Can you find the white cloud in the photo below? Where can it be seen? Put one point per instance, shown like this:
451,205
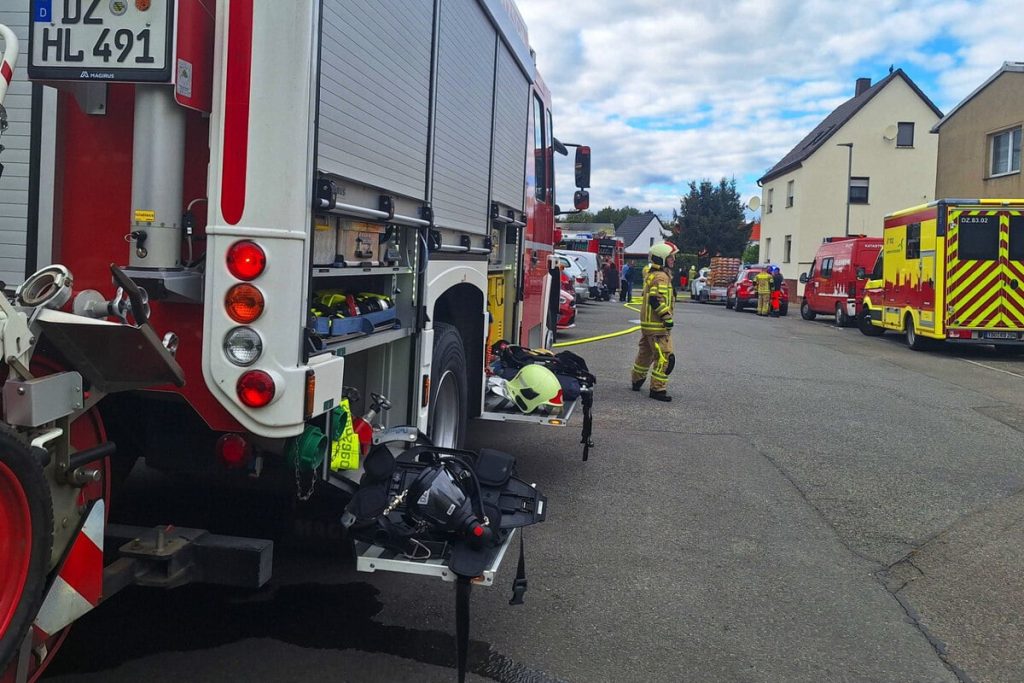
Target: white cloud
732,85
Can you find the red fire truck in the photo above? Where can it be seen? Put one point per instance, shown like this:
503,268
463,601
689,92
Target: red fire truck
604,247
259,208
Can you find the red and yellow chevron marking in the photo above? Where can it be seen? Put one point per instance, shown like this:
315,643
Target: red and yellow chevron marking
977,290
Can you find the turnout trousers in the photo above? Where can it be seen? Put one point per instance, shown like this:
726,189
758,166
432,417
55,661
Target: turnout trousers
762,303
655,350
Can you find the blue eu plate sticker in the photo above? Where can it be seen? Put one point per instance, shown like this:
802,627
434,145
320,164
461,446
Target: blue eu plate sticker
43,10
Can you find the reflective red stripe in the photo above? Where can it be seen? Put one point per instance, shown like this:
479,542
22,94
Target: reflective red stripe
6,72
236,110
83,569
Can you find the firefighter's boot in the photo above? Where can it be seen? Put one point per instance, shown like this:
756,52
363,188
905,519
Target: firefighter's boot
637,383
660,396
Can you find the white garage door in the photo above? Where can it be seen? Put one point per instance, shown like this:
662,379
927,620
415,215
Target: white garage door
15,158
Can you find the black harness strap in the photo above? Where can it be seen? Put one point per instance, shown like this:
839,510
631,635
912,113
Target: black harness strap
588,424
463,588
519,584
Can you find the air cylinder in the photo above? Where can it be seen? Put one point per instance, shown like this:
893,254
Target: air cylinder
158,176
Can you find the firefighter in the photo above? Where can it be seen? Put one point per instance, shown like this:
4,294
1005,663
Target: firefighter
656,323
763,282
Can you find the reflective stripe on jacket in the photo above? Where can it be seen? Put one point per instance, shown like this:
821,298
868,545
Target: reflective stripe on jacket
657,300
764,282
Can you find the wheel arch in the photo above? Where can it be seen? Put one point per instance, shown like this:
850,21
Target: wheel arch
463,307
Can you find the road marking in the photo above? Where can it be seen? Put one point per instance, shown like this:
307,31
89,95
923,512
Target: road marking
989,367
620,333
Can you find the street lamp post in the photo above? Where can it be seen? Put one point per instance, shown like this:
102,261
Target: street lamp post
849,178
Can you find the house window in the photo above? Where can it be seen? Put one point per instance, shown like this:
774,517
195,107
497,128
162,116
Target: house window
787,248
789,193
1005,151
652,242
858,190
905,134
771,199
768,250
913,241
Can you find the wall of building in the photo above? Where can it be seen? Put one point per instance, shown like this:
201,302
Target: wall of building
898,178
963,148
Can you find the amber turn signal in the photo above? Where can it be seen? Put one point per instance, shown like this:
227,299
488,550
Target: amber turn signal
244,303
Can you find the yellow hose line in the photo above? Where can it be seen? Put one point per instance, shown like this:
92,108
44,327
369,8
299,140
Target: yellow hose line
594,339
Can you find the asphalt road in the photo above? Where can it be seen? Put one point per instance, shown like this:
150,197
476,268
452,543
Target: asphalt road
814,505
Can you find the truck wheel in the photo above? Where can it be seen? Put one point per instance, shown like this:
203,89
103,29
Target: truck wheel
805,311
914,341
449,390
842,319
865,326
26,536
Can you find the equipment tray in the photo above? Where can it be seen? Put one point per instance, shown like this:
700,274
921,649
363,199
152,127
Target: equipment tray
374,558
498,409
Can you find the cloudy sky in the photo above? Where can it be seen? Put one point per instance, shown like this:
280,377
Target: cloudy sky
666,91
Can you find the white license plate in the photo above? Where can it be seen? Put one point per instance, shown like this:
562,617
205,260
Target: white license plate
101,40
1001,335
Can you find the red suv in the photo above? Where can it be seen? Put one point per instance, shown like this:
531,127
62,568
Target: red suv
743,293
566,310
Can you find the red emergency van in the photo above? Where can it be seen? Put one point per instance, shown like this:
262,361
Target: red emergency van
831,286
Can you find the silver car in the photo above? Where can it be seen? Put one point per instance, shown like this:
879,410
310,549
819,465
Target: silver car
577,274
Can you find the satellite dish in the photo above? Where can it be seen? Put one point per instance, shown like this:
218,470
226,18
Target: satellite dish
754,204
890,133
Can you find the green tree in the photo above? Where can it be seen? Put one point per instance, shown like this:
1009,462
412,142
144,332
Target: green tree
751,253
710,221
606,215
581,217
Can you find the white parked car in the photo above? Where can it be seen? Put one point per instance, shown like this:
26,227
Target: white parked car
699,283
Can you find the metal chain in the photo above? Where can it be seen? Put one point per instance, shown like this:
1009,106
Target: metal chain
303,496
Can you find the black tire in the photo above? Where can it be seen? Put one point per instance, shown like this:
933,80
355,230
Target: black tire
865,326
21,471
784,309
914,340
449,365
842,319
805,311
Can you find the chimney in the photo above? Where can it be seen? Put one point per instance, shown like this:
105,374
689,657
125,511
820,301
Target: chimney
862,85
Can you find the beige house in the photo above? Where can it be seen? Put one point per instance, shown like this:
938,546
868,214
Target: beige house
980,139
874,150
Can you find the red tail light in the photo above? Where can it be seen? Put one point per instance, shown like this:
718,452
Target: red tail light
256,388
233,450
246,260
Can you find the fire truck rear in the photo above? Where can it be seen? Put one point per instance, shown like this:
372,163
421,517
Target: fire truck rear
263,212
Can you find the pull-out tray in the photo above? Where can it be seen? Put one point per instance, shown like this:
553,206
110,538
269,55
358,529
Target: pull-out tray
374,558
500,409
